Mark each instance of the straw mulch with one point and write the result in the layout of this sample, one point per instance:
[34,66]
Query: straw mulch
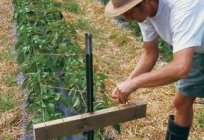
[10,119]
[116,52]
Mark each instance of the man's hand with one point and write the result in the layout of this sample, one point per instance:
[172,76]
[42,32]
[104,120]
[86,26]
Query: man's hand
[122,91]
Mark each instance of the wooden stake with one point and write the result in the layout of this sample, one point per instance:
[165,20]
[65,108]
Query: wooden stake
[88,121]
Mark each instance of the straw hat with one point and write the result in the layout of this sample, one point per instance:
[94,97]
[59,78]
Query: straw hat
[117,7]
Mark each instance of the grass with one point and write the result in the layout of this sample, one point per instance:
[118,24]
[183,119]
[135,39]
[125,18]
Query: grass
[82,24]
[199,118]
[6,135]
[104,1]
[165,50]
[9,79]
[9,95]
[135,28]
[4,40]
[6,55]
[71,6]
[121,39]
[7,101]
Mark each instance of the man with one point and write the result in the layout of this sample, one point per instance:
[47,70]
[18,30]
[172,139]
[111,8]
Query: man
[181,24]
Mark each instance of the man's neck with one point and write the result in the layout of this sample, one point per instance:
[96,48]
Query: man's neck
[154,7]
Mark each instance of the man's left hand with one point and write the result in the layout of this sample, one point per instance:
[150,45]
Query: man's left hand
[122,91]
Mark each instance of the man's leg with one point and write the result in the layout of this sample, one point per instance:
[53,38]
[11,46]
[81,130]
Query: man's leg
[184,109]
[179,125]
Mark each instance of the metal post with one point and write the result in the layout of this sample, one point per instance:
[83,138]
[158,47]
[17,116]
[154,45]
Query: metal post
[89,78]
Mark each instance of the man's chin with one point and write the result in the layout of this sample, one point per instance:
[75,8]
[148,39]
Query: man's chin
[141,20]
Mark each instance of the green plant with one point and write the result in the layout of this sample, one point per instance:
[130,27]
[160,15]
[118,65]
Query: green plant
[53,64]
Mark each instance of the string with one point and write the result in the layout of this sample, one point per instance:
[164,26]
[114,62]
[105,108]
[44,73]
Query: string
[64,55]
[63,88]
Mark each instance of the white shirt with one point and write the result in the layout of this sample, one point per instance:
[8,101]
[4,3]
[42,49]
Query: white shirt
[179,22]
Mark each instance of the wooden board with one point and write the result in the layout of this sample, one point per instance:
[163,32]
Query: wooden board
[86,122]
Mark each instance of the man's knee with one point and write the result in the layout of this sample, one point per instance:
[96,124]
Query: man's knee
[183,103]
[178,104]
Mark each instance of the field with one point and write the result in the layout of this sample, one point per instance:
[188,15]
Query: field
[44,41]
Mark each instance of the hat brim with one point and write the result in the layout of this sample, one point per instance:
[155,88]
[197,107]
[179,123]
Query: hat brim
[111,11]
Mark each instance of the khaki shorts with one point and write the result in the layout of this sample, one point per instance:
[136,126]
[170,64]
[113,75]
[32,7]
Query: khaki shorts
[193,84]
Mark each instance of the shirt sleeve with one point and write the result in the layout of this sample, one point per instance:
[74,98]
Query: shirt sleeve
[148,31]
[187,26]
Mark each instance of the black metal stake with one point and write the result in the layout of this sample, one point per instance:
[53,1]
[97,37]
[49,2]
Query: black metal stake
[89,78]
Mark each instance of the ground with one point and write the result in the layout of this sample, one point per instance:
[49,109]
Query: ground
[10,93]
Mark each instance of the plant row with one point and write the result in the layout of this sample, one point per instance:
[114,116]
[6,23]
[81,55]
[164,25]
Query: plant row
[52,61]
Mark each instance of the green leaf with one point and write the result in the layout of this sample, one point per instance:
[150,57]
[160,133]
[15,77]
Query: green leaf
[57,97]
[43,105]
[77,102]
[51,107]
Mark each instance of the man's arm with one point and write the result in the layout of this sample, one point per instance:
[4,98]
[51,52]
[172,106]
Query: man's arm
[177,69]
[147,60]
[145,64]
